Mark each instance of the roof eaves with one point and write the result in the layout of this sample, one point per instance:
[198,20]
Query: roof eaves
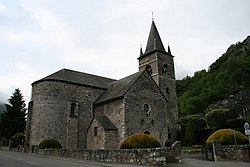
[70,82]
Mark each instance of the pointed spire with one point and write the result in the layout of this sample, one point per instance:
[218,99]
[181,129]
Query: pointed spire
[141,52]
[154,40]
[169,51]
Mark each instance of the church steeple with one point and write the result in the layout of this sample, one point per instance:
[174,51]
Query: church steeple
[154,41]
[169,51]
[159,63]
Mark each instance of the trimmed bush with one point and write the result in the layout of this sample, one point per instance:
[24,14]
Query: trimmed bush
[49,143]
[140,140]
[226,137]
[189,135]
[235,123]
[198,122]
[217,118]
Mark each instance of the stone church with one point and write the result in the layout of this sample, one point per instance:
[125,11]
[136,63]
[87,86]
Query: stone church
[83,110]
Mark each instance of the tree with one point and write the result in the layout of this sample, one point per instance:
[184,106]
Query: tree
[189,134]
[13,120]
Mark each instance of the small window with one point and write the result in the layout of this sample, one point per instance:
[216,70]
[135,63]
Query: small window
[153,122]
[165,69]
[167,90]
[169,134]
[149,69]
[147,132]
[73,109]
[142,122]
[95,131]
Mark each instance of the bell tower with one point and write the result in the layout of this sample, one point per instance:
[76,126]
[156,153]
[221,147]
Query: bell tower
[160,65]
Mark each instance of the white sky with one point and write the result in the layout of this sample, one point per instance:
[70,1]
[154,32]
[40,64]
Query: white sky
[103,37]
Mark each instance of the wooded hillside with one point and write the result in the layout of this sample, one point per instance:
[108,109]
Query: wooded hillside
[227,76]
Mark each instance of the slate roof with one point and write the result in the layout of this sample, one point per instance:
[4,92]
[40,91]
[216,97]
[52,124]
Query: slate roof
[154,40]
[118,88]
[105,122]
[75,77]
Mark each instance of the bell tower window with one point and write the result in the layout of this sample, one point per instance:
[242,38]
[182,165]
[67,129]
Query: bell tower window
[167,90]
[149,69]
[165,69]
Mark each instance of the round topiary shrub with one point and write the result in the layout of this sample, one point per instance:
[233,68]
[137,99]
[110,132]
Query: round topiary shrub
[226,137]
[198,122]
[49,143]
[217,118]
[140,140]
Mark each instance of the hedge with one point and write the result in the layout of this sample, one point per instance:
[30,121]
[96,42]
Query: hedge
[140,140]
[226,137]
[198,122]
[217,118]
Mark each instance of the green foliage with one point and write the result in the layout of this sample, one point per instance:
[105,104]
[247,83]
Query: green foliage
[2,107]
[13,119]
[17,139]
[49,143]
[189,135]
[140,140]
[198,122]
[226,137]
[217,118]
[235,123]
[248,118]
[228,75]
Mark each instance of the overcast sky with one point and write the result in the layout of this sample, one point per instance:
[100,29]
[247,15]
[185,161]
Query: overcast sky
[103,37]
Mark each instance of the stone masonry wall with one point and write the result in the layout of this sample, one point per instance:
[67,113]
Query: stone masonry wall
[151,157]
[114,110]
[137,120]
[230,152]
[51,113]
[98,141]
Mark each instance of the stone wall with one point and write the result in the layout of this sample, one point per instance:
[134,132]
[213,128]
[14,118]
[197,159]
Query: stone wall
[51,117]
[151,157]
[153,120]
[230,152]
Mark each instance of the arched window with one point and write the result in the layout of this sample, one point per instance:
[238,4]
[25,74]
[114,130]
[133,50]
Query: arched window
[73,109]
[149,69]
[164,69]
[147,132]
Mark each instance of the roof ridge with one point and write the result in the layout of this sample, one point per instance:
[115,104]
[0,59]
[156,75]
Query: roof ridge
[77,77]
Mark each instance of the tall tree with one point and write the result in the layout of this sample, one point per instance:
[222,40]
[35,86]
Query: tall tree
[13,119]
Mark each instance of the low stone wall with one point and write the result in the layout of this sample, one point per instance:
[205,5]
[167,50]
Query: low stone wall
[152,157]
[231,152]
